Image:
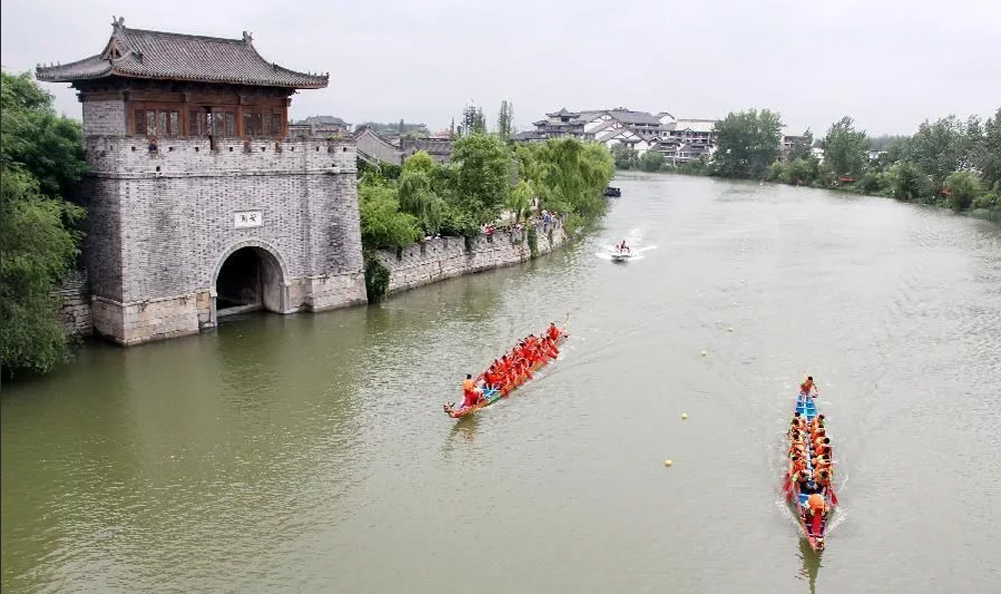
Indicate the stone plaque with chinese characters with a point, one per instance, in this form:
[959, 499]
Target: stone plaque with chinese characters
[248, 218]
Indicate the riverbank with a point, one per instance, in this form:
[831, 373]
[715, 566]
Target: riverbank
[442, 258]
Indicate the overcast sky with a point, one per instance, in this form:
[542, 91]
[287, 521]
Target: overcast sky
[889, 63]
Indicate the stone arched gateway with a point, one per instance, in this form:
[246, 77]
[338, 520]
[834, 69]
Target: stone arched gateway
[251, 275]
[194, 182]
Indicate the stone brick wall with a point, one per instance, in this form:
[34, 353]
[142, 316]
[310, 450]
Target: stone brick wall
[161, 224]
[104, 117]
[447, 257]
[75, 300]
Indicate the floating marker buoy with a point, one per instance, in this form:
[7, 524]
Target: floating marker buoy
[668, 463]
[730, 329]
[684, 416]
[704, 353]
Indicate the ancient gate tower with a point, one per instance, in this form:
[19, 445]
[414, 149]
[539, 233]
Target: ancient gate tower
[198, 205]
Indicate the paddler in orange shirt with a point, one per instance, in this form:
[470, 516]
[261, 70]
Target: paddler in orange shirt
[553, 332]
[471, 394]
[816, 506]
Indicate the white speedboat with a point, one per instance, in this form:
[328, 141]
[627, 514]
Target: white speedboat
[621, 255]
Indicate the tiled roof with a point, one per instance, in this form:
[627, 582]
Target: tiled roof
[563, 112]
[323, 121]
[694, 125]
[137, 53]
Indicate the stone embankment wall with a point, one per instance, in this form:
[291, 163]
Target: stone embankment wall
[447, 257]
[75, 300]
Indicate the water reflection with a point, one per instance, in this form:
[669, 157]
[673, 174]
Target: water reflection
[464, 429]
[811, 565]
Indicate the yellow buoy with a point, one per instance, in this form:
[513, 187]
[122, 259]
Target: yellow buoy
[668, 462]
[684, 416]
[704, 353]
[730, 329]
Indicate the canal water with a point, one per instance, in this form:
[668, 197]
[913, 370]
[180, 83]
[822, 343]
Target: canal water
[310, 453]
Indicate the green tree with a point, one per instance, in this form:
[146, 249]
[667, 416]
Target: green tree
[473, 121]
[651, 161]
[505, 120]
[625, 156]
[802, 148]
[988, 157]
[804, 171]
[962, 187]
[568, 176]
[908, 182]
[520, 199]
[747, 143]
[49, 146]
[941, 148]
[36, 252]
[41, 164]
[482, 178]
[846, 148]
[417, 196]
[780, 171]
[382, 223]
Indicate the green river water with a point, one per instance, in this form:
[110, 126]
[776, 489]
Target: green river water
[310, 453]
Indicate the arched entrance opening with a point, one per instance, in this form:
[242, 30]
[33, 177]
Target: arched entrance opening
[250, 279]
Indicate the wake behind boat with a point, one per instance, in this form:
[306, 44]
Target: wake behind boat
[809, 481]
[509, 372]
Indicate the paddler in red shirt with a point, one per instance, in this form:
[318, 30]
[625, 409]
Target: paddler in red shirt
[553, 331]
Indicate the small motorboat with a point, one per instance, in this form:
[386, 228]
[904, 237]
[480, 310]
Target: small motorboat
[613, 192]
[620, 255]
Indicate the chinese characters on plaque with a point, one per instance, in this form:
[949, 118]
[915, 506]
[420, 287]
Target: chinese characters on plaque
[248, 218]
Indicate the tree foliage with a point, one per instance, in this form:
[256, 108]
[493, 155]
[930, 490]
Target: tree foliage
[505, 120]
[942, 147]
[473, 121]
[961, 187]
[483, 176]
[625, 156]
[49, 146]
[41, 163]
[382, 223]
[802, 148]
[569, 176]
[988, 156]
[651, 161]
[748, 142]
[845, 148]
[38, 250]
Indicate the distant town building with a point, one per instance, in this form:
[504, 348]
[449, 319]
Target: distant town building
[790, 137]
[319, 126]
[560, 124]
[374, 147]
[440, 148]
[679, 140]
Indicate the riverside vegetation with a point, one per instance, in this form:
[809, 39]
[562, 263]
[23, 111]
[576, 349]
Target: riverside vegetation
[41, 157]
[486, 176]
[950, 162]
